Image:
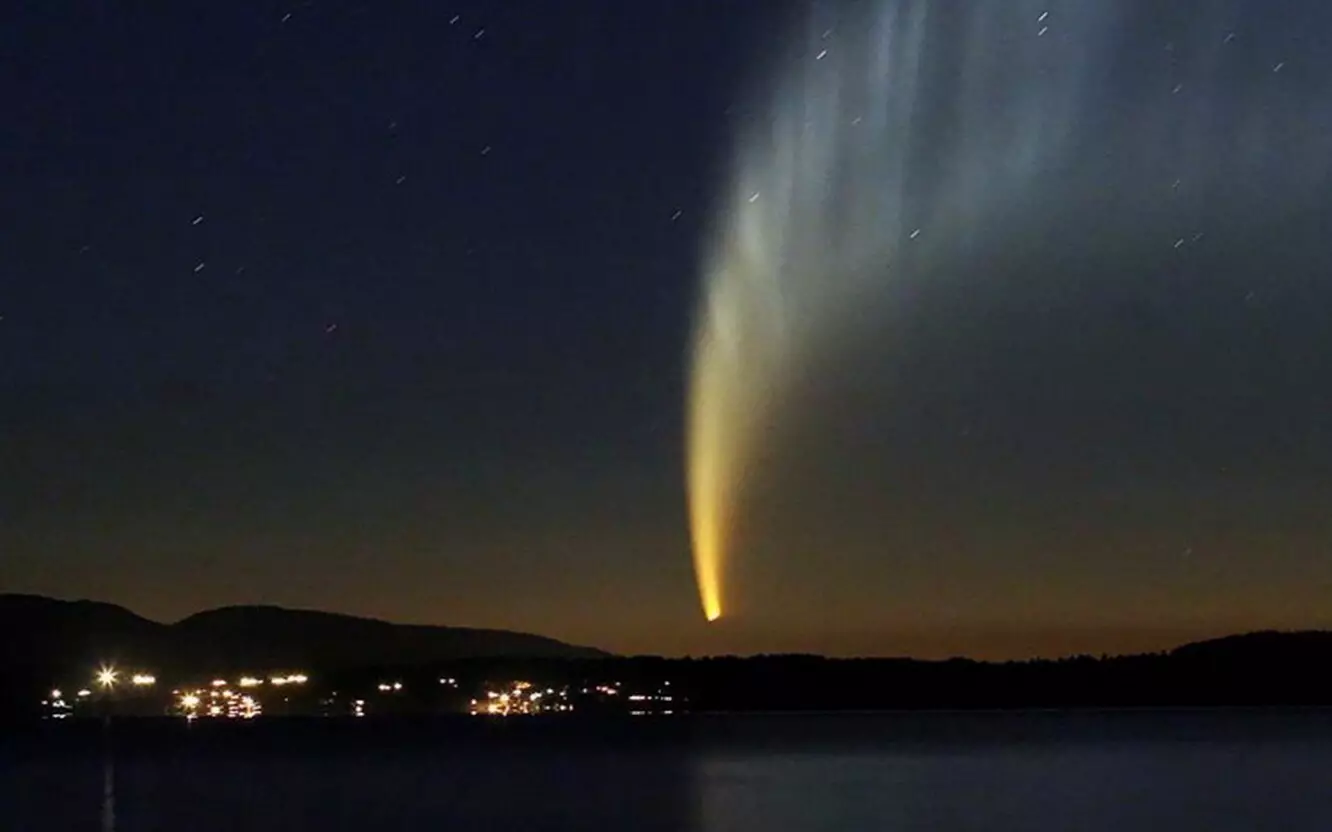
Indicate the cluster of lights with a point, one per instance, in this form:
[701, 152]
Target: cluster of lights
[218, 702]
[57, 705]
[216, 699]
[659, 696]
[107, 677]
[291, 679]
[521, 699]
[640, 707]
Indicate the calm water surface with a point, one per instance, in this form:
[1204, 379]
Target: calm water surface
[940, 772]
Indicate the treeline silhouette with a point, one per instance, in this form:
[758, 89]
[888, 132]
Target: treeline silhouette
[1259, 669]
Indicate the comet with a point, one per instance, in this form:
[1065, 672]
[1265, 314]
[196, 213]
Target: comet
[868, 155]
[967, 153]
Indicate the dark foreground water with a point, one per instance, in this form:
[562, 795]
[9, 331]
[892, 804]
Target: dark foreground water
[1101, 772]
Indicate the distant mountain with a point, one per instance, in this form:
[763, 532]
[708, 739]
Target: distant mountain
[1268, 647]
[276, 637]
[44, 632]
[50, 636]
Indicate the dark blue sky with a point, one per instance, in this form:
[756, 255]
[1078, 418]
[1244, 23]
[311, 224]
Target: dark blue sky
[421, 271]
[384, 308]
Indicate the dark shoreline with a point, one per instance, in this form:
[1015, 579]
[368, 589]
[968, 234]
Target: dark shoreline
[920, 731]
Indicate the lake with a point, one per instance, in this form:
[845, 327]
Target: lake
[1099, 772]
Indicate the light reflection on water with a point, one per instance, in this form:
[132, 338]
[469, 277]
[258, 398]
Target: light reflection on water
[940, 773]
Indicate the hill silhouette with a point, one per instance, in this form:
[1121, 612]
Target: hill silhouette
[276, 637]
[49, 638]
[1272, 648]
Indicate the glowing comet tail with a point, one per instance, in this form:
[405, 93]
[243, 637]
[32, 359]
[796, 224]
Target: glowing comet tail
[869, 159]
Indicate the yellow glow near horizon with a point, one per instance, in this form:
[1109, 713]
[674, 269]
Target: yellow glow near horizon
[708, 496]
[735, 362]
[707, 534]
[707, 567]
[740, 365]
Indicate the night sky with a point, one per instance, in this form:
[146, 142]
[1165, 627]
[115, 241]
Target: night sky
[384, 308]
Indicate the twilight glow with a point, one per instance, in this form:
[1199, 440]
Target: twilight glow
[900, 144]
